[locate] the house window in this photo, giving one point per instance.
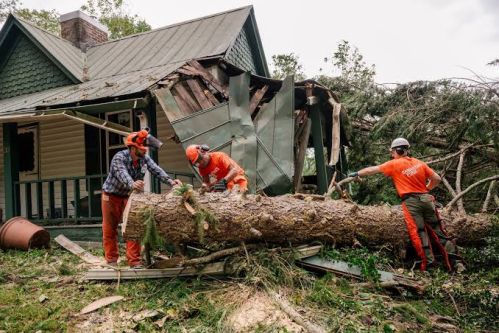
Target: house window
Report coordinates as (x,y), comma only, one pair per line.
(114,142)
(28,149)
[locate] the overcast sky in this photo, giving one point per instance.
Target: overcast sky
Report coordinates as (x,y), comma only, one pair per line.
(406,39)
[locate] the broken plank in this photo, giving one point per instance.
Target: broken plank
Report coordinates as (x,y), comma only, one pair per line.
(211,97)
(76,249)
(209,77)
(188,72)
(256,98)
(186,96)
(217,268)
(199,94)
(185,109)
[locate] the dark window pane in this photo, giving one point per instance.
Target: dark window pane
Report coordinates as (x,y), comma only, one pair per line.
(27,151)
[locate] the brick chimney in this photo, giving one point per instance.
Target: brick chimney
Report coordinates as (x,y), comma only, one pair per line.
(82,30)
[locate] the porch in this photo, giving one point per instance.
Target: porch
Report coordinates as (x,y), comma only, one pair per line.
(70,200)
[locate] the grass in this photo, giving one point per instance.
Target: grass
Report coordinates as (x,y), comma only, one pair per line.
(203,305)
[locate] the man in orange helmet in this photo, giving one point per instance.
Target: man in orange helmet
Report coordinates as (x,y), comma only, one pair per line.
(413,179)
(218,170)
(126,174)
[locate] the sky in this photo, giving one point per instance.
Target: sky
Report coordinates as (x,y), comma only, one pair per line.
(406,40)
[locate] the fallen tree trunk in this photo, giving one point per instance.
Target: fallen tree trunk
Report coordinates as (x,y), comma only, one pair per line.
(282,219)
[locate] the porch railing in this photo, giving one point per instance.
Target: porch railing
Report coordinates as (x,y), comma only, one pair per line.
(51,201)
(70,199)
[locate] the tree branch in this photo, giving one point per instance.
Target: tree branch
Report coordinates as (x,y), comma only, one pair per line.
(489,196)
(459,174)
(453,201)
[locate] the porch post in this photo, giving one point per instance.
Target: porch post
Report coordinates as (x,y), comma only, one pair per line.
(151,115)
(11,169)
(320,161)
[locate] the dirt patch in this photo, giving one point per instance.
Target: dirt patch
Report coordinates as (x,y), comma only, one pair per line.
(105,322)
(259,310)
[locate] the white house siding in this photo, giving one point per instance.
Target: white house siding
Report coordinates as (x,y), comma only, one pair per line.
(61,155)
(171,155)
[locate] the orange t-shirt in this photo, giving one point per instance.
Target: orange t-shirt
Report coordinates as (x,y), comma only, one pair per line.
(219,167)
(408,174)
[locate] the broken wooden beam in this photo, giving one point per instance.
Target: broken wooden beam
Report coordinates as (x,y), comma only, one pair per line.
(256,99)
(198,93)
(197,67)
(186,96)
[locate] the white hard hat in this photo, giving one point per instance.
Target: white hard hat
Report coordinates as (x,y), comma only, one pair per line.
(399,142)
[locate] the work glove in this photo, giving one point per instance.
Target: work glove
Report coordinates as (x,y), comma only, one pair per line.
(221,186)
(353,174)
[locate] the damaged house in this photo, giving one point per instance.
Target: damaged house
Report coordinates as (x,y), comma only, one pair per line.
(66,103)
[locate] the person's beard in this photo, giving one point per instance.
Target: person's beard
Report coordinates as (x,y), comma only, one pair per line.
(140,153)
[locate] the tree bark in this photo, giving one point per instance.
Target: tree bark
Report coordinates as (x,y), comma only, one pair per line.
(282,219)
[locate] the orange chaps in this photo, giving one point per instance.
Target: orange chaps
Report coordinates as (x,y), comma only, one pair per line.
(239,180)
(425,230)
(112,212)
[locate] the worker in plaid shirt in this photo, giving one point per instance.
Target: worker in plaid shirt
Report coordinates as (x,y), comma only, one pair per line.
(126,173)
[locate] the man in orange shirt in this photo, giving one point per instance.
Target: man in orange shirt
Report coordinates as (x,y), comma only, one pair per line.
(218,170)
(413,179)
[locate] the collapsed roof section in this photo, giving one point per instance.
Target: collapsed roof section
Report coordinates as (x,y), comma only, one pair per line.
(263,124)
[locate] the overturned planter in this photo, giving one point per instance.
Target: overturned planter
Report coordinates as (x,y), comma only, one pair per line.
(19,233)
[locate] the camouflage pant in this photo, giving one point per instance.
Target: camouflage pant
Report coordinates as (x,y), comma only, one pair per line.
(425,230)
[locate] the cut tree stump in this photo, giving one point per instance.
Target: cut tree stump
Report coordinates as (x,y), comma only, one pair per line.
(283,219)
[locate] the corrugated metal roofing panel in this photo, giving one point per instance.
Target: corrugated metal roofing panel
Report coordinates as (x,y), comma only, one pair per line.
(208,36)
(117,85)
(71,57)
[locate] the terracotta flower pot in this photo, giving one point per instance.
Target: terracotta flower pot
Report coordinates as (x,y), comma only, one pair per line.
(19,233)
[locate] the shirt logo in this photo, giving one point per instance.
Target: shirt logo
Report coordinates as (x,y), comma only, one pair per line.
(412,170)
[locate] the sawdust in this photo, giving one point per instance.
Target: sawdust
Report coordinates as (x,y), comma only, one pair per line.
(259,310)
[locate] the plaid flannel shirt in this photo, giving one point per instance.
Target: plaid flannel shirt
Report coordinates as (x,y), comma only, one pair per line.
(122,173)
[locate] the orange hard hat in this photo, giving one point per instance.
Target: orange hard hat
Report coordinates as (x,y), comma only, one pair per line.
(192,153)
(137,139)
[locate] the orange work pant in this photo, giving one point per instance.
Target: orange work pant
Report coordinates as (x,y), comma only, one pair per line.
(239,180)
(112,212)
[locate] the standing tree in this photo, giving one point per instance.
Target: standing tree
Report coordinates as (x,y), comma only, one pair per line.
(111,13)
(287,64)
(114,15)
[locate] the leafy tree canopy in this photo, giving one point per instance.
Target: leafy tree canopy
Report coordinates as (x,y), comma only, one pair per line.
(111,13)
(285,65)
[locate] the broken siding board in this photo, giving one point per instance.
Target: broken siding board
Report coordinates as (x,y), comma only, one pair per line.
(77,250)
(186,96)
(256,98)
(335,145)
(183,106)
(199,94)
